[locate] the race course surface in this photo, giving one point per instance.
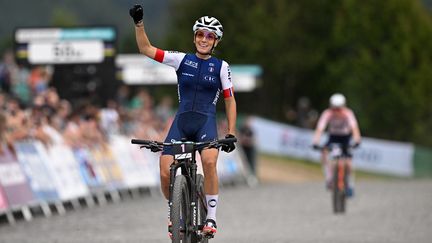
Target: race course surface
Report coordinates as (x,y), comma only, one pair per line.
(382,211)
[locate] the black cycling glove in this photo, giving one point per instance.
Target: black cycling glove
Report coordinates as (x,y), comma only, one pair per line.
(316,147)
(229,147)
(136,12)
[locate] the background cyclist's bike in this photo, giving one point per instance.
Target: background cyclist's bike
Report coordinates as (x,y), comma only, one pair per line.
(339,182)
(187,204)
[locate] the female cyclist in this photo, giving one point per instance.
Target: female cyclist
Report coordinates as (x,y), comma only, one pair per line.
(342,126)
(201,78)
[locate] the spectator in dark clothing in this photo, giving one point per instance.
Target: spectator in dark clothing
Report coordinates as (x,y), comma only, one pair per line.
(247,141)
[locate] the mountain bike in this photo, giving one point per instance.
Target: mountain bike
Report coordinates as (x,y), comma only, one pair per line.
(187,203)
(339,181)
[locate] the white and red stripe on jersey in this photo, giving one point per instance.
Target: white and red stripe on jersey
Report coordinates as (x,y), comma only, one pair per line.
(174,59)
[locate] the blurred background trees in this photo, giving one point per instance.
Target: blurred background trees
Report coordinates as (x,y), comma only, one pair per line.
(378,53)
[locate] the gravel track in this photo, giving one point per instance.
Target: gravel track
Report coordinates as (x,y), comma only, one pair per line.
(382,211)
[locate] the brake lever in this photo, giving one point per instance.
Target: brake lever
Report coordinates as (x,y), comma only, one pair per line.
(213,145)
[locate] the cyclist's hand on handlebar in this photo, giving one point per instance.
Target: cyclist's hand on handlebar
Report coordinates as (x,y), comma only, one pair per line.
(229,147)
(155,149)
(136,12)
(356,145)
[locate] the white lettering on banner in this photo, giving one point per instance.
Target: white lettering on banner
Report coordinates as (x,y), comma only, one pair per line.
(11,174)
(373,155)
(139,167)
(64,170)
(89,51)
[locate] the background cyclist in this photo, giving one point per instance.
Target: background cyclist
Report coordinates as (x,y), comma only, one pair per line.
(342,125)
(201,79)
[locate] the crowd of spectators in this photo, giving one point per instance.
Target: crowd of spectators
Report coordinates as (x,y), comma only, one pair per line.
(30,108)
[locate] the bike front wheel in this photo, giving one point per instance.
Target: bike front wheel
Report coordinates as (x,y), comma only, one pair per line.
(180,211)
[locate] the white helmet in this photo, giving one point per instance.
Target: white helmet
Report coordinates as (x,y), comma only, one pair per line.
(337,100)
(210,24)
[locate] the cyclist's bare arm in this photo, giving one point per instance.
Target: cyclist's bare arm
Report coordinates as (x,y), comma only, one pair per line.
(356,134)
(231,113)
(321,125)
(354,127)
(144,45)
(317,135)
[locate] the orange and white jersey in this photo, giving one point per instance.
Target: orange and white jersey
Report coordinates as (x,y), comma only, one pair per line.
(340,121)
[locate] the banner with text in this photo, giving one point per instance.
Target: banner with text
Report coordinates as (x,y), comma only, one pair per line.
(13,180)
(374,155)
(38,175)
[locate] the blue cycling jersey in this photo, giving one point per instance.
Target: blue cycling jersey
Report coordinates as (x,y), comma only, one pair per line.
(199,84)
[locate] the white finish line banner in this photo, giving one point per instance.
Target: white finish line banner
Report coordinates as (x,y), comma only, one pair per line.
(91,51)
(374,155)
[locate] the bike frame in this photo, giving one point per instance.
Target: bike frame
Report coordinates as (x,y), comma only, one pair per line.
(189,170)
(339,165)
(185,159)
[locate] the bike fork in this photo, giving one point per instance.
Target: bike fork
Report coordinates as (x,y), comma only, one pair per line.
(341,176)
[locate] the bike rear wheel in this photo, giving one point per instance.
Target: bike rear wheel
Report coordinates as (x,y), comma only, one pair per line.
(180,211)
(201,209)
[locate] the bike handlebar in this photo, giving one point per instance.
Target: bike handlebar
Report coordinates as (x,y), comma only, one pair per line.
(156,146)
(329,146)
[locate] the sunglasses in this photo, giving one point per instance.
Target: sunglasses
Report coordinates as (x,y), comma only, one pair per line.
(200,34)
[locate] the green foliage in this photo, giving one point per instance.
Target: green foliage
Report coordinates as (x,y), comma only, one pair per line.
(378,53)
(379,58)
(64,18)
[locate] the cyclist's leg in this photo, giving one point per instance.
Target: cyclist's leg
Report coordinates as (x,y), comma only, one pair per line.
(164,165)
(348,162)
(167,157)
(211,188)
(350,174)
(326,167)
(209,162)
(211,181)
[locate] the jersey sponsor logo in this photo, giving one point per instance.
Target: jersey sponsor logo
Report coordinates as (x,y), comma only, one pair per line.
(211,69)
(203,136)
(210,78)
(216,97)
(191,63)
(173,52)
(229,74)
(188,74)
(211,64)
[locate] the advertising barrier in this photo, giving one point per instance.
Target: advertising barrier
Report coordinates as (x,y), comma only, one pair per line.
(14,186)
(135,164)
(106,167)
(374,155)
(38,175)
(3,201)
(63,168)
